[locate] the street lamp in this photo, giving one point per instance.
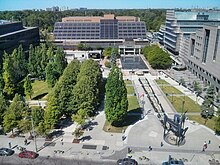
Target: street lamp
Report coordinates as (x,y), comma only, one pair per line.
(35,142)
(183,104)
(33,133)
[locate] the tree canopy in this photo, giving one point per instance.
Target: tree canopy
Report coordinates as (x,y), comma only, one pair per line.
(157,57)
(116,102)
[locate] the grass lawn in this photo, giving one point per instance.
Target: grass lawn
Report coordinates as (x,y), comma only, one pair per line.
(170,90)
(130,90)
(40,90)
(128,121)
(133,103)
(189,105)
(210,123)
(127,81)
(160,81)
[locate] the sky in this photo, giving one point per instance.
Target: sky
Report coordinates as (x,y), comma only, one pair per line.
(106,4)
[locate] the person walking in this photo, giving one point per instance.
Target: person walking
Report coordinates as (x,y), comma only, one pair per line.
(25,141)
(204,146)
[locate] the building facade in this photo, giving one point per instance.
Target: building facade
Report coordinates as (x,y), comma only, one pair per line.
(108,27)
(201,54)
(180,25)
(13,34)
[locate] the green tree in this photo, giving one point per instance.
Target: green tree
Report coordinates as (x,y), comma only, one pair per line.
(60,61)
(8,76)
(217,122)
(51,74)
(207,106)
(158,58)
(14,114)
(80,117)
(3,107)
(28,87)
(87,90)
(116,103)
(38,115)
(60,97)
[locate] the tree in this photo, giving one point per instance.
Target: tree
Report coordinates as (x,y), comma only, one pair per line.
(60,97)
(28,87)
(38,115)
(60,61)
(51,74)
(8,76)
(207,106)
(157,57)
(3,107)
(107,52)
(87,90)
(217,122)
(116,103)
(80,117)
(15,113)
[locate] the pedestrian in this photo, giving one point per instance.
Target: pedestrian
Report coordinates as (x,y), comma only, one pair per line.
(161,144)
(25,141)
(204,146)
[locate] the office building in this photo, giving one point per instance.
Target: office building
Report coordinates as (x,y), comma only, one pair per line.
(201,54)
(108,28)
(180,25)
(13,34)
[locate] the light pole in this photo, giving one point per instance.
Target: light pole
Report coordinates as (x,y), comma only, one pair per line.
(33,133)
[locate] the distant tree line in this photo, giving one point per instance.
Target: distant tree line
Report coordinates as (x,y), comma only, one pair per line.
(157,57)
(45,19)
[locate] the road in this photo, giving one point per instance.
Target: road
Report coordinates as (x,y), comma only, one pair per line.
(15,160)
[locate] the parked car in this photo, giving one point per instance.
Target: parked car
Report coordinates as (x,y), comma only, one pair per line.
(127,161)
(28,154)
(6,152)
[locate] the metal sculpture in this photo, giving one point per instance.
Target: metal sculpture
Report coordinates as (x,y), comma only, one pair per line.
(176,126)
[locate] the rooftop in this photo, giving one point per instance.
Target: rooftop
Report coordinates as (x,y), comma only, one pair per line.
(98,18)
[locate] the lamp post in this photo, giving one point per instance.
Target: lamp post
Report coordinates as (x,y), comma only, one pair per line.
(183,104)
(33,133)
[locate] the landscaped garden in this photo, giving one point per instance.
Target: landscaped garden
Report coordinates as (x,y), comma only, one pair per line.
(183,103)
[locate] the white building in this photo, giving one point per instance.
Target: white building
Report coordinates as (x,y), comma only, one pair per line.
(82,55)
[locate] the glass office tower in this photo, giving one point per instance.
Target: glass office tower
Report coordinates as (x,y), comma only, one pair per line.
(181,24)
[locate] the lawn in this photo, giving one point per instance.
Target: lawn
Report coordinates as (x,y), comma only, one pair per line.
(167,89)
(130,90)
(189,105)
(40,90)
(133,104)
(210,123)
(160,81)
(128,121)
(127,81)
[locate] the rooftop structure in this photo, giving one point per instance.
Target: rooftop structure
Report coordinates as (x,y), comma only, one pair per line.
(180,25)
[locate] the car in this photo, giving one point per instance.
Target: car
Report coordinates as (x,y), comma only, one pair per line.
(6,152)
(127,161)
(28,154)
